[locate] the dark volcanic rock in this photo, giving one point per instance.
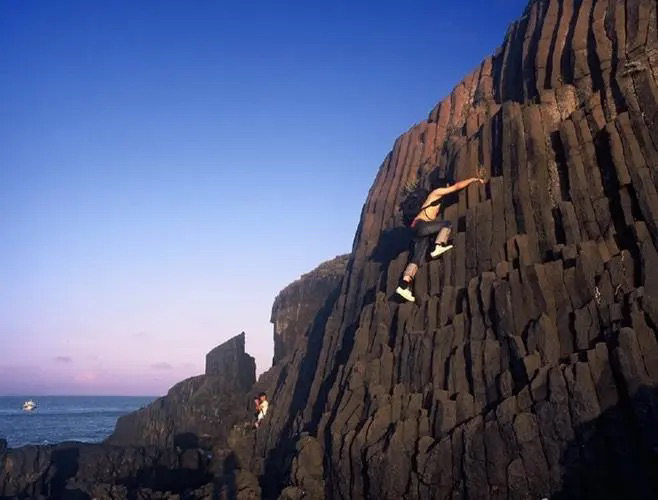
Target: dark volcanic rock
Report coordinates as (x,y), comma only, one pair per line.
(526,368)
(100,471)
(199,411)
(230,359)
(298,304)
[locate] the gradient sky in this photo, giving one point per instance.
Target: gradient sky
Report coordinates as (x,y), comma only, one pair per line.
(167,167)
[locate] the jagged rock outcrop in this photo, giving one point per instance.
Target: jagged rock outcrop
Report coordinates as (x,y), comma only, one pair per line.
(299,328)
(198,411)
(174,448)
(230,358)
(527,367)
(299,303)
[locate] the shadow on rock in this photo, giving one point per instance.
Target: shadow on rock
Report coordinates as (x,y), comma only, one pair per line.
(186,441)
(616,454)
(64,465)
(392,243)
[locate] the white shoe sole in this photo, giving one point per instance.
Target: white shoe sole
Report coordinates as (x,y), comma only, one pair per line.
(406,294)
(439,250)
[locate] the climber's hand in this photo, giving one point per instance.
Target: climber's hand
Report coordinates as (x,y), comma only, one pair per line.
(482,174)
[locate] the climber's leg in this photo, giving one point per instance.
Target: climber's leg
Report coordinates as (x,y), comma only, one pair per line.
(444,234)
(408,274)
(404,286)
(421,245)
(441,243)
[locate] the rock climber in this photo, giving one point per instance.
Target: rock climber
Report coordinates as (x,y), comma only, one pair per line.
(421,217)
(261,404)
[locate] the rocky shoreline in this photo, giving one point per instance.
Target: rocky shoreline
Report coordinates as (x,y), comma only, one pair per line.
(185,444)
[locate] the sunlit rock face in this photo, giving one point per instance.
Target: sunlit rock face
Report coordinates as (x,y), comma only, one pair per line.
(528,365)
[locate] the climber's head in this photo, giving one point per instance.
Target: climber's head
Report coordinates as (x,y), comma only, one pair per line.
(262,396)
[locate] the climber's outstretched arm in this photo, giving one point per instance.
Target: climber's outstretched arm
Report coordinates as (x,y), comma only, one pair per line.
(457,186)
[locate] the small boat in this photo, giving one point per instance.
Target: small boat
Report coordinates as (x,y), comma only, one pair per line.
(29,405)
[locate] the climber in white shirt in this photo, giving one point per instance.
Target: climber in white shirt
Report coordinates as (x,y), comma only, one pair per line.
(261,404)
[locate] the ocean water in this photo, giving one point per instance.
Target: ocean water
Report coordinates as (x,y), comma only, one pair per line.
(63,418)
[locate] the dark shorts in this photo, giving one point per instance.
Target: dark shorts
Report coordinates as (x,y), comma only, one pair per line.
(422,230)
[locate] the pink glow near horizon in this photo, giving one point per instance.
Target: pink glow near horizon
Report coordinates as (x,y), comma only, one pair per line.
(106,353)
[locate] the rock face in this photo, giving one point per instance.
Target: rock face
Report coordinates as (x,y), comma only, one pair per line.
(528,366)
(198,411)
(230,362)
(299,303)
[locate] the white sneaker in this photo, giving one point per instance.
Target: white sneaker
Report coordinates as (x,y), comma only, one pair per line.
(439,249)
(406,294)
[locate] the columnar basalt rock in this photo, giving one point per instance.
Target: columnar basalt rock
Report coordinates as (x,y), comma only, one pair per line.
(526,368)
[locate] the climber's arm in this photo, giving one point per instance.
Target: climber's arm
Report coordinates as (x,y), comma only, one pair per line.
(457,186)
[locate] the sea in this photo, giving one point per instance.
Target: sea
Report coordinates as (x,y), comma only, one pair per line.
(89,419)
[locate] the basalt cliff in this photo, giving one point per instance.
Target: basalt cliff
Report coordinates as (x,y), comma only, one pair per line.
(528,367)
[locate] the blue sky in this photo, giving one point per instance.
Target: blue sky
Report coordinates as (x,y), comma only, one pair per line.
(167,167)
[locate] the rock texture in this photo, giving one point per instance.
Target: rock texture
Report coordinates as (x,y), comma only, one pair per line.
(299,303)
(198,411)
(78,471)
(528,366)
